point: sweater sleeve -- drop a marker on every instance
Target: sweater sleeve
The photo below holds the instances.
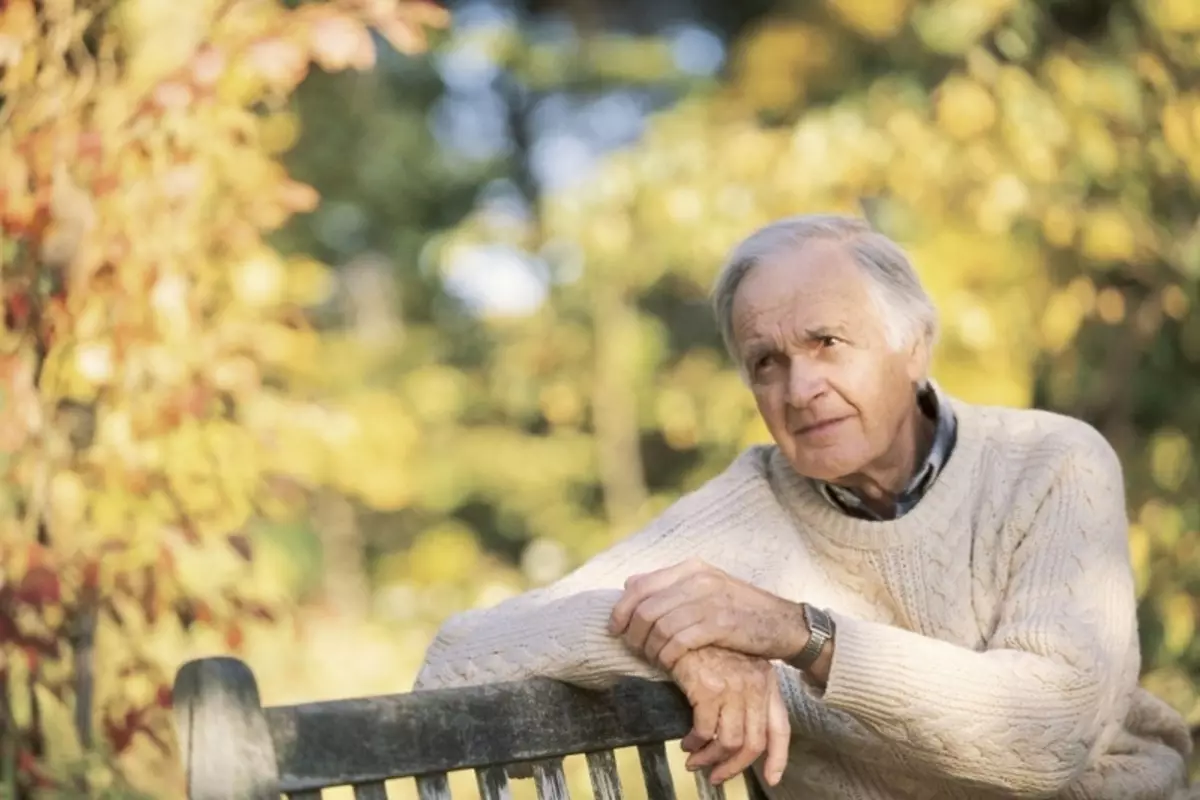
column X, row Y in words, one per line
column 1026, row 715
column 560, row 631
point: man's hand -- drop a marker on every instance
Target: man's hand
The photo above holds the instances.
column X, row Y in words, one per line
column 738, row 713
column 681, row 609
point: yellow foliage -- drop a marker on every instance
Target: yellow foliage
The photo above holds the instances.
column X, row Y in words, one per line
column 1174, row 302
column 446, row 553
column 1179, row 622
column 1061, row 320
column 145, row 314
column 1176, row 16
column 875, row 19
column 772, row 63
column 1107, row 235
column 965, row 109
column 1171, row 459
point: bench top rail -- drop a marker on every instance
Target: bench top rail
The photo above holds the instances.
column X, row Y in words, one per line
column 234, row 748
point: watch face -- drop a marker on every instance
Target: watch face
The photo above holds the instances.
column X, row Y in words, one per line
column 819, row 623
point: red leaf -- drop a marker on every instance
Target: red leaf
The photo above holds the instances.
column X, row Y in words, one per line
column 27, row 764
column 39, row 587
column 234, row 638
column 18, row 310
column 120, row 733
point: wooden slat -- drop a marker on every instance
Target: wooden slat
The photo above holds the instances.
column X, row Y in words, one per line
column 754, row 789
column 602, row 769
column 311, row 794
column 550, row 781
column 223, row 734
column 656, row 771
column 433, row 786
column 493, row 784
column 704, row 788
column 375, row 790
column 370, row 739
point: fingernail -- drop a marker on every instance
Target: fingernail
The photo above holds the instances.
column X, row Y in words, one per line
column 774, row 777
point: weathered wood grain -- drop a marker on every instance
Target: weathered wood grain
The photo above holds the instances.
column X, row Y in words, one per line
column 493, row 784
column 704, row 788
column 656, row 771
column 602, row 769
column 370, row 739
column 434, row 786
column 550, row 781
column 375, row 790
column 227, row 749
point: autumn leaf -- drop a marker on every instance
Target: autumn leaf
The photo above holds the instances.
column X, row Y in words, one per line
column 234, row 637
column 39, row 586
column 338, row 42
column 279, row 62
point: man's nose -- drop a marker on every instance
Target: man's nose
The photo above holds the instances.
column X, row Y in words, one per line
column 805, row 384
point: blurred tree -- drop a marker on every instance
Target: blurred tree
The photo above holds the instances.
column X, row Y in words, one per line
column 154, row 363
column 1039, row 162
column 470, row 127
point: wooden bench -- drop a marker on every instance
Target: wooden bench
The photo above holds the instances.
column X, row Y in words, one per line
column 234, row 749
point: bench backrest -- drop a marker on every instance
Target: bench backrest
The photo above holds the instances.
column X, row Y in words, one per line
column 234, row 749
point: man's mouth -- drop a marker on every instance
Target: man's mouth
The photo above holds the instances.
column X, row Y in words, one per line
column 819, row 427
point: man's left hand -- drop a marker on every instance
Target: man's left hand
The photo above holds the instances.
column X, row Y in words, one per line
column 670, row 612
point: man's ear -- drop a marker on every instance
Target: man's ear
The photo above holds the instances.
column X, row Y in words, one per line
column 917, row 362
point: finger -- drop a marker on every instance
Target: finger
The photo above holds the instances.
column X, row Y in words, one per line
column 683, row 615
column 731, row 734
column 705, row 718
column 639, row 587
column 754, row 735
column 687, row 640
column 779, row 734
column 653, row 610
column 693, row 742
column 712, row 753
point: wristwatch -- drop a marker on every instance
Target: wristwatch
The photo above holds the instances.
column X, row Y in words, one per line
column 820, row 631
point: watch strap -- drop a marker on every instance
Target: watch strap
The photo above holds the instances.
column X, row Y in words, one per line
column 820, row 631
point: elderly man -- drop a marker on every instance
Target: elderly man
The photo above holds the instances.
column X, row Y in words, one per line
column 934, row 597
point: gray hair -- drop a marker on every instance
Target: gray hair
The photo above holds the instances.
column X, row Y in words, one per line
column 908, row 312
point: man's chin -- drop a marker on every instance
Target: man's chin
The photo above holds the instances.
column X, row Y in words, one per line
column 823, row 469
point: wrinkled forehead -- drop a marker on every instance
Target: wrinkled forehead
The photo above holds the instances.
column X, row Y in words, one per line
column 817, row 285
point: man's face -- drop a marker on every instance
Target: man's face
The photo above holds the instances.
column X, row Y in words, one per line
column 813, row 341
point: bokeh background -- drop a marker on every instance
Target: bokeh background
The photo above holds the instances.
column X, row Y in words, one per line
column 324, row 321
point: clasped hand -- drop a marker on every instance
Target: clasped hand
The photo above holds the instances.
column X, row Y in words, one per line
column 715, row 635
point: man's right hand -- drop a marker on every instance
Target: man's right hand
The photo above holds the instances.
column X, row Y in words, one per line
column 738, row 713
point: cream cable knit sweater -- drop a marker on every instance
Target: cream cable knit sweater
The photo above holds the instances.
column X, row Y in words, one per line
column 986, row 641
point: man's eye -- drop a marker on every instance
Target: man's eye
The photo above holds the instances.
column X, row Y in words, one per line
column 828, row 341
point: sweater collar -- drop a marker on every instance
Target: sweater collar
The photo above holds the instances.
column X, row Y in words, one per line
column 954, row 485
